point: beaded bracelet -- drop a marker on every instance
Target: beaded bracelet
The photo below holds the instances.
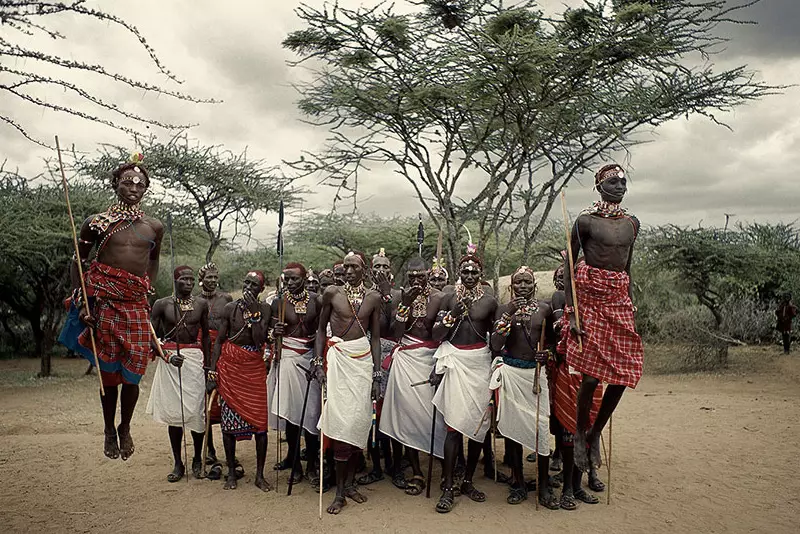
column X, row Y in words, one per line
column 387, row 298
column 402, row 313
column 377, row 375
column 502, row 327
column 448, row 320
column 212, row 375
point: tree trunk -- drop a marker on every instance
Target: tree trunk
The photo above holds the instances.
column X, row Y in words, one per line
column 39, row 345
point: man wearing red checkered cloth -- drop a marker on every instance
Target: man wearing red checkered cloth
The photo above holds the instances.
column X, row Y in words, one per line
column 238, row 370
column 611, row 350
column 128, row 244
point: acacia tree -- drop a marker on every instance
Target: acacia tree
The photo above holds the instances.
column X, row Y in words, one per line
column 28, row 75
column 757, row 260
column 36, row 248
column 501, row 101
column 221, row 191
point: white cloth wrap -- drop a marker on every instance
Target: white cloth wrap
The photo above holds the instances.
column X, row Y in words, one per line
column 407, row 412
column 348, row 409
column 164, row 403
column 295, row 350
column 463, row 395
column 516, row 410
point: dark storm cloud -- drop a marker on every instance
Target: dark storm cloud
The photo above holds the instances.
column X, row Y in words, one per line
column 775, row 34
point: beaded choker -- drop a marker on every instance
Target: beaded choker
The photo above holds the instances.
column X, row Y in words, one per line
column 185, row 305
column 209, row 294
column 607, row 209
column 300, row 302
column 472, row 295
column 115, row 213
column 355, row 294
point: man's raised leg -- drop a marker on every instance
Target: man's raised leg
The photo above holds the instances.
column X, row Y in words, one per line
column 128, row 399
column 109, row 404
column 611, row 399
column 585, row 398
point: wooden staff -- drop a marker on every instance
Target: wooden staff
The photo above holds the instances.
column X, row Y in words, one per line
column 321, row 445
column 538, row 391
column 494, row 439
column 80, row 266
column 276, row 361
column 608, row 462
column 571, row 269
column 211, row 399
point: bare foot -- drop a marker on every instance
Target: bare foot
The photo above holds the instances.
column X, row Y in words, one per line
column 337, row 505
column 353, row 493
column 262, row 484
column 126, row 447
column 594, row 451
column 581, row 454
column 230, row 482
column 110, row 446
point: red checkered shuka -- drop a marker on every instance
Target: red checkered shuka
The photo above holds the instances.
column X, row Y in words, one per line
column 612, row 350
column 242, row 383
column 122, row 316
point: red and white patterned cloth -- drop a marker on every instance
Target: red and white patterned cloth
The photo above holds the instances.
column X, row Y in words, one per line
column 122, row 314
column 242, row 385
column 612, row 350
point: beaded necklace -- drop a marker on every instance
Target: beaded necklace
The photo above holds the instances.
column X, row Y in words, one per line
column 526, row 311
column 300, row 302
column 185, row 305
column 473, row 295
column 419, row 308
column 607, row 209
column 115, row 213
column 355, row 294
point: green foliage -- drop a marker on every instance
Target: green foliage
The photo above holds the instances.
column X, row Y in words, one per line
column 489, row 90
column 36, row 248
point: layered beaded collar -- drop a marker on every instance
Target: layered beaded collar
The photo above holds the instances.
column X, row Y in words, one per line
column 606, row 209
column 355, row 294
column 473, row 295
column 300, row 302
column 115, row 213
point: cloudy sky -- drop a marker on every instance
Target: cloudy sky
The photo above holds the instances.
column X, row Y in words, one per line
column 691, row 171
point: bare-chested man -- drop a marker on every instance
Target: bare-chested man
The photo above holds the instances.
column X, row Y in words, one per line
column 353, row 370
column 521, row 388
column 181, row 378
column 208, row 280
column 463, row 367
column 383, row 281
column 408, row 411
column 239, row 372
column 297, row 333
column 128, row 244
column 612, row 350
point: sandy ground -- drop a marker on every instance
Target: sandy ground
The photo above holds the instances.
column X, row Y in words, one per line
column 692, row 453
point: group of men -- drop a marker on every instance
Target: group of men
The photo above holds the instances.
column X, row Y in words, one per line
column 353, row 361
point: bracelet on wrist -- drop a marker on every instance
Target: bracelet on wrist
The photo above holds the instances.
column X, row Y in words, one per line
column 377, row 375
column 449, row 320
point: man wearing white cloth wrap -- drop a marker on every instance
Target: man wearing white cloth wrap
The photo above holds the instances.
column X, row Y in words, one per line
column 181, row 318
column 353, row 363
column 462, row 371
column 408, row 411
column 518, row 333
column 296, row 334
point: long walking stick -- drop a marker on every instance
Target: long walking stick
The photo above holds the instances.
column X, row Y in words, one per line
column 608, row 461
column 430, row 456
column 211, row 399
column 538, row 390
column 279, row 347
column 178, row 317
column 494, row 439
column 79, row 265
column 571, row 262
column 321, row 446
column 296, row 455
